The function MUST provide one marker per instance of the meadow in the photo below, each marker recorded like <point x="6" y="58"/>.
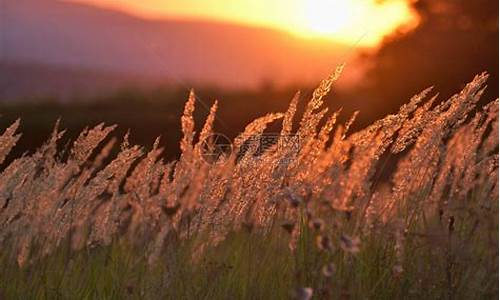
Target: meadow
<point x="406" y="208"/>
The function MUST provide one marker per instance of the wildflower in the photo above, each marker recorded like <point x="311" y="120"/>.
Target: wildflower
<point x="303" y="293"/>
<point x="328" y="270"/>
<point x="349" y="244"/>
<point x="324" y="243"/>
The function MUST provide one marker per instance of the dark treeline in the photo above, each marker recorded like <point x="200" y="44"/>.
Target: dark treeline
<point x="455" y="40"/>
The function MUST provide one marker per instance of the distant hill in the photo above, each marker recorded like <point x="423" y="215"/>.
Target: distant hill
<point x="33" y="80"/>
<point x="75" y="36"/>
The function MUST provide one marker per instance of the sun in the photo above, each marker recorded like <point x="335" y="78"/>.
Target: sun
<point x="349" y="21"/>
<point x="326" y="17"/>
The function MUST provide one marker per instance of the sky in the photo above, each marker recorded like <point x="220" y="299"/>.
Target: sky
<point x="362" y="22"/>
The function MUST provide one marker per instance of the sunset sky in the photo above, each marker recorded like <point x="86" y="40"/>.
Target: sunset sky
<point x="346" y="21"/>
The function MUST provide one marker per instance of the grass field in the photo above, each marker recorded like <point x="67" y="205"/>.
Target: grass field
<point x="406" y="208"/>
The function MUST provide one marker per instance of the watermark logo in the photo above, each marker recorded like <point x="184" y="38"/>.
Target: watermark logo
<point x="216" y="148"/>
<point x="259" y="144"/>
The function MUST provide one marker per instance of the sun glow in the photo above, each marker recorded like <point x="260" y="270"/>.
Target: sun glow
<point x="327" y="17"/>
<point x="351" y="21"/>
<point x="361" y="22"/>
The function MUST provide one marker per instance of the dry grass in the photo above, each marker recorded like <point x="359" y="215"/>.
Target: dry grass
<point x="322" y="213"/>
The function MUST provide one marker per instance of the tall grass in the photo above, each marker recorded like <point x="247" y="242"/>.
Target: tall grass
<point x="405" y="208"/>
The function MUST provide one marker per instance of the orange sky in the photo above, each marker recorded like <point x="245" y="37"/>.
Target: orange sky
<point x="349" y="21"/>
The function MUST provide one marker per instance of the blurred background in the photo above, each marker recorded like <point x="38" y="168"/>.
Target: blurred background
<point x="133" y="62"/>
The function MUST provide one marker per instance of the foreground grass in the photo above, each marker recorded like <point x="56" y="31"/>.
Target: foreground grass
<point x="406" y="208"/>
<point x="256" y="264"/>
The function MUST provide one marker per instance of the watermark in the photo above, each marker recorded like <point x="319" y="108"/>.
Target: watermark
<point x="217" y="148"/>
<point x="259" y="144"/>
